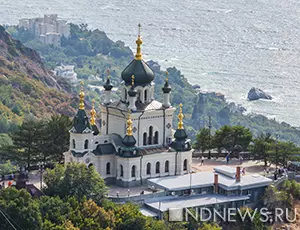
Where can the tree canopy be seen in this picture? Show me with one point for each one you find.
(75, 180)
(37, 141)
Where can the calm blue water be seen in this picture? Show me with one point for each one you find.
(222, 45)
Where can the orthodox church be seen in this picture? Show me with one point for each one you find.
(135, 140)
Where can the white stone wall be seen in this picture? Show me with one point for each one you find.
(79, 139)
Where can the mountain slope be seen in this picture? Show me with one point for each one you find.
(26, 86)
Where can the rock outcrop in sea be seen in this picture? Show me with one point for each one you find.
(256, 93)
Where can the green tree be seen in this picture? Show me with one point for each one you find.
(20, 209)
(248, 219)
(55, 138)
(202, 140)
(207, 226)
(25, 149)
(75, 180)
(7, 168)
(262, 146)
(230, 138)
(129, 217)
(292, 188)
(273, 198)
(54, 210)
(5, 140)
(282, 152)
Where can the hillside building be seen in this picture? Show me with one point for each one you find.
(48, 29)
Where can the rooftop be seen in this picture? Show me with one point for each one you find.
(206, 179)
(193, 201)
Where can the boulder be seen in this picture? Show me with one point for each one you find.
(196, 86)
(255, 94)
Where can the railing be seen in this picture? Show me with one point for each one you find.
(136, 198)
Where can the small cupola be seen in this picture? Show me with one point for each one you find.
(181, 143)
(138, 67)
(129, 148)
(166, 92)
(81, 122)
(108, 87)
(93, 119)
(129, 140)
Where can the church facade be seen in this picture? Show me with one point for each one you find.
(135, 140)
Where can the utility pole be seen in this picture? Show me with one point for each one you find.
(209, 136)
(277, 136)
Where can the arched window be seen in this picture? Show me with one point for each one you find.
(138, 96)
(148, 169)
(90, 165)
(150, 135)
(107, 168)
(145, 95)
(86, 144)
(157, 170)
(185, 164)
(133, 171)
(167, 166)
(74, 145)
(145, 138)
(121, 171)
(156, 137)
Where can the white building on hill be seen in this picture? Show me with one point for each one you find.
(134, 141)
(48, 30)
(67, 72)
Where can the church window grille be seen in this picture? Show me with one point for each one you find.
(167, 166)
(148, 169)
(121, 171)
(150, 135)
(107, 168)
(86, 144)
(74, 144)
(156, 137)
(185, 164)
(157, 167)
(133, 169)
(145, 139)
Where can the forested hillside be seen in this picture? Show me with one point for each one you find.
(26, 86)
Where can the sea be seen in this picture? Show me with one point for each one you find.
(227, 46)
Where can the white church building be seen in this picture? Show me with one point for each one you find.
(135, 140)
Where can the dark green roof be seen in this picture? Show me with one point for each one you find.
(143, 75)
(104, 149)
(166, 88)
(129, 141)
(81, 123)
(180, 134)
(78, 154)
(108, 86)
(95, 129)
(181, 143)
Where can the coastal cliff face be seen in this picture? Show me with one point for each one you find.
(26, 86)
